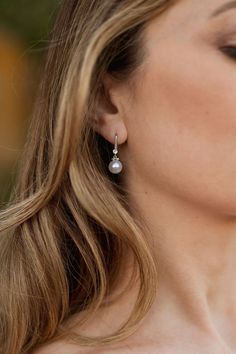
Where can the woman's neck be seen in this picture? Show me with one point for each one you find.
(196, 255)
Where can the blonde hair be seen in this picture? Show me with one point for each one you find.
(67, 225)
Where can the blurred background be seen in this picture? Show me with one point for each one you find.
(24, 27)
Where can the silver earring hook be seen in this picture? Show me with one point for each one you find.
(115, 151)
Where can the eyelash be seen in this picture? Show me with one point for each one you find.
(230, 51)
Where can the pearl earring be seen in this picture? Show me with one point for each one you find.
(115, 166)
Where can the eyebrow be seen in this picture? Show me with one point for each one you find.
(228, 6)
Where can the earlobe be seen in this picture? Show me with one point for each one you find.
(109, 128)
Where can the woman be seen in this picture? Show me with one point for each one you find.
(121, 233)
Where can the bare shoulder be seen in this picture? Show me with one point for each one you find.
(65, 348)
(62, 348)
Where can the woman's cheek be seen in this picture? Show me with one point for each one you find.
(184, 137)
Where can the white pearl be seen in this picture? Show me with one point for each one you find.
(115, 166)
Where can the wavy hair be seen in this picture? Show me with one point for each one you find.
(68, 225)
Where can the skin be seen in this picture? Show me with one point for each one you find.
(177, 142)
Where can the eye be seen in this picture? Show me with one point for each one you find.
(230, 51)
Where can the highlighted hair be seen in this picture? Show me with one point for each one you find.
(66, 229)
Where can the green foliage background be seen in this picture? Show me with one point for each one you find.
(30, 21)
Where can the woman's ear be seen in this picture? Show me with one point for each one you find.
(108, 113)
